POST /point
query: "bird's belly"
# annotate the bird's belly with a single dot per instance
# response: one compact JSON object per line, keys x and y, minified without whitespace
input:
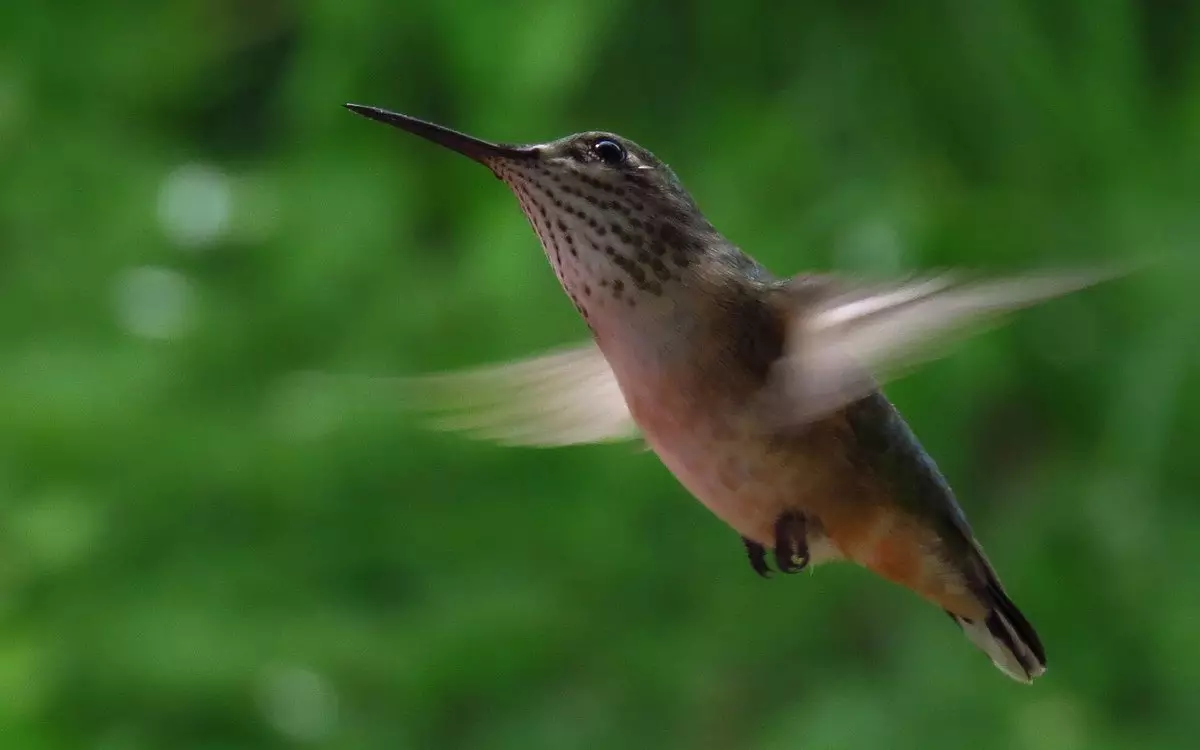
{"x":745,"y":480}
{"x":748,"y":500}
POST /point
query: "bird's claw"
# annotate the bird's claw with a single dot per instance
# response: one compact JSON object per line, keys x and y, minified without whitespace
{"x":758,"y":557}
{"x":791,"y":542}
{"x":791,"y":546}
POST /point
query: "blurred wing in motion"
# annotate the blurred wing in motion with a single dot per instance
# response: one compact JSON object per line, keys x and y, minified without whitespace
{"x":845,"y":339}
{"x":565,"y":397}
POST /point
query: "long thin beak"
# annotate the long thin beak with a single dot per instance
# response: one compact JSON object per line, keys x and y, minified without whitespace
{"x":480,"y":151}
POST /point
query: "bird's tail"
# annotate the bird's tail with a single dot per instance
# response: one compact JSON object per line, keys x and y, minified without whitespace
{"x":1006,"y":636}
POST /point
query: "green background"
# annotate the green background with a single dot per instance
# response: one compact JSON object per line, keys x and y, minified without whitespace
{"x":202,"y":546}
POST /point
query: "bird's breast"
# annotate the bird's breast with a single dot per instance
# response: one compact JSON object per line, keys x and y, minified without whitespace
{"x":697,"y":421}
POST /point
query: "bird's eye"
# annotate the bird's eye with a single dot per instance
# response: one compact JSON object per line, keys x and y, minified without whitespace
{"x":609,"y":151}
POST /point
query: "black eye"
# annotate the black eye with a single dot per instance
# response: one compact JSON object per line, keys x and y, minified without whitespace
{"x":609,"y":151}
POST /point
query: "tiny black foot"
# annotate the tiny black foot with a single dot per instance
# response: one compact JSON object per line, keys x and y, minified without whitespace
{"x":791,"y":543}
{"x":758,"y":557}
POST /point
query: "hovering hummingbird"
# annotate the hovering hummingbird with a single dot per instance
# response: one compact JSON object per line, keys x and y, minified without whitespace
{"x":760,"y":394}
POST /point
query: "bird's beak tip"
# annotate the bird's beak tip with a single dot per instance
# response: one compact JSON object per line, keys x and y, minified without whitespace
{"x":481,"y":151}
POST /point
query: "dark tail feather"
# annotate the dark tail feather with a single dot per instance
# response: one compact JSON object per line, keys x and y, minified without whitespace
{"x":1006,"y":636}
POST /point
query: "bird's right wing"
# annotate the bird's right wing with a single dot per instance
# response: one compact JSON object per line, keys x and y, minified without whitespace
{"x":845,"y":338}
{"x":567,"y":396}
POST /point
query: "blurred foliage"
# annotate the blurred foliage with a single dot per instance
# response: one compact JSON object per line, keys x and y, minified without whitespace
{"x":202,"y":547}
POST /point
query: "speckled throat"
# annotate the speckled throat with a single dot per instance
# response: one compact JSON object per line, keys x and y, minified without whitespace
{"x":601,"y":234}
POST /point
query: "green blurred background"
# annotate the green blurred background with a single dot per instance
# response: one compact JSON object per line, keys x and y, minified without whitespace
{"x":202,"y":546}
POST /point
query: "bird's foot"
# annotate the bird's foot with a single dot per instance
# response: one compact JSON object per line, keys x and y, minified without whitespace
{"x":791,"y":542}
{"x":758,"y":557}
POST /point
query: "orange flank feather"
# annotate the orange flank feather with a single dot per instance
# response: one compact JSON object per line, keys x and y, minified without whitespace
{"x":899,"y":549}
{"x":897,"y":559}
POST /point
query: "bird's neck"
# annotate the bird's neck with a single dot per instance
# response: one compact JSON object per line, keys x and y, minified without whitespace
{"x":711,"y":334}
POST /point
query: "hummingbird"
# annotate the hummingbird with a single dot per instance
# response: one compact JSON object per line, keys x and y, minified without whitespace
{"x":760,"y":394}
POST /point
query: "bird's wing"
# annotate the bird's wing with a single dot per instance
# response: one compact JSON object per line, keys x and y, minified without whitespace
{"x":845,"y":338}
{"x":564,"y":397}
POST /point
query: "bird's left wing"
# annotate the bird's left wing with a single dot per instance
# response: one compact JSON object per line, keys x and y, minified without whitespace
{"x":563,"y":397}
